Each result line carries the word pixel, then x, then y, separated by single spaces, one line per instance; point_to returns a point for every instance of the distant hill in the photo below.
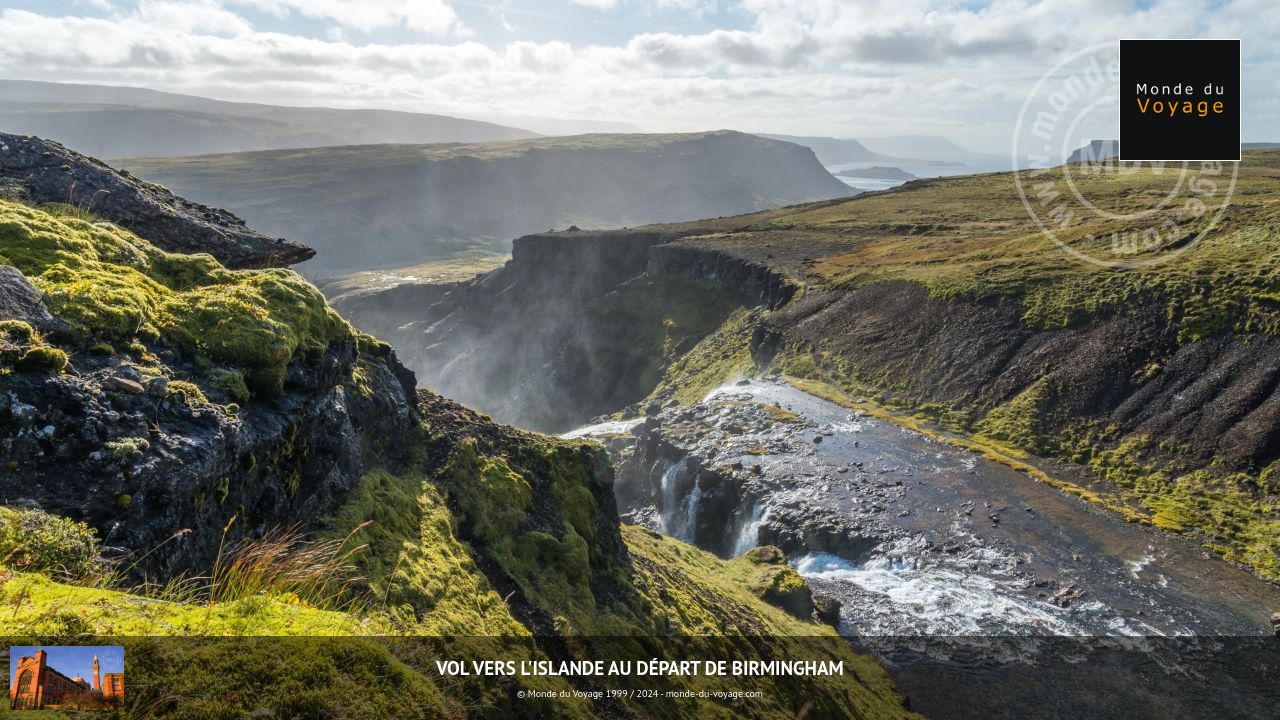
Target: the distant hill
pixel 879 172
pixel 564 126
pixel 832 151
pixel 379 206
pixel 1096 151
pixel 920 147
pixel 108 121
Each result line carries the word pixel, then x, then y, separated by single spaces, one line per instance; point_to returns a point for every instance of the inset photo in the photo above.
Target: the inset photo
pixel 45 681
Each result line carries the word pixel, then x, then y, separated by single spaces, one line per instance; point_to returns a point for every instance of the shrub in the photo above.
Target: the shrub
pixel 38 541
pixel 42 358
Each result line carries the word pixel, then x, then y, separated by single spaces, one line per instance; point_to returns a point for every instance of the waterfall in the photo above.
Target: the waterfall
pixel 689 526
pixel 749 534
pixel 670 492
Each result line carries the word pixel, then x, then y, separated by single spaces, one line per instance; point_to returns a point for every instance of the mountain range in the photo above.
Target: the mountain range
pixel 106 121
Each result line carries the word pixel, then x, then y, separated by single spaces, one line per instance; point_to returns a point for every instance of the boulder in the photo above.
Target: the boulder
pixel 45 172
pixel 20 300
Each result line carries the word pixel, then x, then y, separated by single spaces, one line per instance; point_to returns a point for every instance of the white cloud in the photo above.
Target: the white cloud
pixel 800 66
pixel 192 16
pixel 597 4
pixel 426 16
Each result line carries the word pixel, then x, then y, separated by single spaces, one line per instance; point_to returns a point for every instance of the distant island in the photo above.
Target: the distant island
pixel 878 172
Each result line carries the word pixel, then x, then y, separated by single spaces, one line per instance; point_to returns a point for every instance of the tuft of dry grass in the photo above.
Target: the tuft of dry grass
pixel 284 563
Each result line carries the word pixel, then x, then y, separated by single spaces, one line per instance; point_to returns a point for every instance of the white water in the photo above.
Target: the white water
pixel 670 501
pixel 689 518
pixel 936 601
pixel 749 535
pixel 612 427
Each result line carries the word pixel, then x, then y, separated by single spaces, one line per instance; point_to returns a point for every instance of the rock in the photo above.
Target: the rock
pixel 1275 623
pixel 125 384
pixel 150 211
pixel 157 386
pixel 827 609
pixel 766 555
pixel 20 300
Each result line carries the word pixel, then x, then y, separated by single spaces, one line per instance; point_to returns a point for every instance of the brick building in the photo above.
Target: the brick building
pixel 38 686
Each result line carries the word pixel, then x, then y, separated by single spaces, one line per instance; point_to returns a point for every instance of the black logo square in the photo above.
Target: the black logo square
pixel 1180 100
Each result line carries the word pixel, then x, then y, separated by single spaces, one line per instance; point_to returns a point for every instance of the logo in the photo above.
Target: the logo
pixel 1096 207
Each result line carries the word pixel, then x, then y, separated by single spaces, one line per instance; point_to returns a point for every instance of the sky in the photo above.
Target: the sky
pixel 71 660
pixel 839 68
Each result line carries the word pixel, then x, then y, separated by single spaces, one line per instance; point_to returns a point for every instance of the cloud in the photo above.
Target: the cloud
pixel 192 16
pixel 426 16
pixel 801 66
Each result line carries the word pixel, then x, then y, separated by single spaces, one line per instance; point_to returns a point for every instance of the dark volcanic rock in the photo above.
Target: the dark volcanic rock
pixel 48 172
pixel 154 473
pixel 1214 398
pixel 20 300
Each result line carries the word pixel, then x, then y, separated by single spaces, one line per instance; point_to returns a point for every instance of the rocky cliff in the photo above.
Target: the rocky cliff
pixel 150 393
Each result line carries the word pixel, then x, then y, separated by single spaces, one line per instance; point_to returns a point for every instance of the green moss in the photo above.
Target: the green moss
pixel 231 382
pixel 646 325
pixel 185 392
pixel 414 564
pixel 370 345
pixel 102 349
pixel 128 447
pixel 18 331
pixel 110 285
pixel 1023 420
pixel 719 357
pixel 111 612
pixel 783 587
pixel 42 358
pixel 34 540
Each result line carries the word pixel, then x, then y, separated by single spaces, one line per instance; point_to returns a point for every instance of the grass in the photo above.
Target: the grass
pixel 435 272
pixel 969 238
pixel 719 357
pixel 285 563
pixel 36 605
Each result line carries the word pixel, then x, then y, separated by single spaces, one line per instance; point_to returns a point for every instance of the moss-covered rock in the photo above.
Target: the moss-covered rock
pixel 42 358
pixel 111 286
